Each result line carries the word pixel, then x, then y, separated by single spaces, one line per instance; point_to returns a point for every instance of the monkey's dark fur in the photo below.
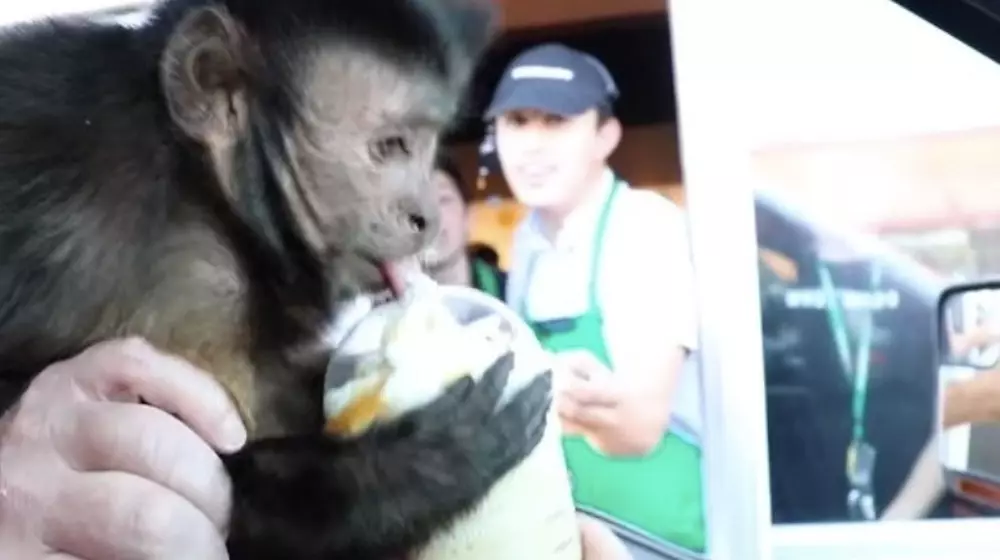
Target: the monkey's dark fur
pixel 215 181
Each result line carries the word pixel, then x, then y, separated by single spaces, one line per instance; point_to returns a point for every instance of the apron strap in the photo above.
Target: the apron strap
pixel 485 277
pixel 597 245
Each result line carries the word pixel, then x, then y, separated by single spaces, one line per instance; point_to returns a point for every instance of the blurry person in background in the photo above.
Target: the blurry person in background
pixel 602 272
pixel 450 259
pixel 485 252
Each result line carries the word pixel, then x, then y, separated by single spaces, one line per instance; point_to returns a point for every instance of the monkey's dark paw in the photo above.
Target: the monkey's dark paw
pixel 389 490
pixel 469 425
pixel 510 435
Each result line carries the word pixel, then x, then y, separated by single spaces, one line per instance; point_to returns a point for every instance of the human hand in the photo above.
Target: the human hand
pixel 978 337
pixel 599 542
pixel 89 473
pixel 587 397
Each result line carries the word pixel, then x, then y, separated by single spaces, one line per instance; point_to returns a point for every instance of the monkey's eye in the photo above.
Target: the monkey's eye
pixel 388 148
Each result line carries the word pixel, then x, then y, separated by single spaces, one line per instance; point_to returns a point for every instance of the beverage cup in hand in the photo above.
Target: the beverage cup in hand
pixel 401 355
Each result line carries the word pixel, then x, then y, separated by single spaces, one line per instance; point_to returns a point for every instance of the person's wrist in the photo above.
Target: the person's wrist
pixel 993 397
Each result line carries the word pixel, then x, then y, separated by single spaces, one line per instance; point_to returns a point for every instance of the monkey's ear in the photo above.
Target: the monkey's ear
pixel 202 76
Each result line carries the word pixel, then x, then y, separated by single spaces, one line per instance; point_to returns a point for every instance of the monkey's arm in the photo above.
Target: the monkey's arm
pixel 385 493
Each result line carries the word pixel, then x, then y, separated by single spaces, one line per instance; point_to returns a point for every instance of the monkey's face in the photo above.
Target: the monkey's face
pixel 362 152
pixel 321 138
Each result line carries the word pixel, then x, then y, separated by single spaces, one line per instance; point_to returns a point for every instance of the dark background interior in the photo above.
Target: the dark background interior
pixel 634 49
pixel 974 22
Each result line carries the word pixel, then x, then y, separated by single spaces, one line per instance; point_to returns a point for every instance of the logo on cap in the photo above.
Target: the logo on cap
pixel 542 72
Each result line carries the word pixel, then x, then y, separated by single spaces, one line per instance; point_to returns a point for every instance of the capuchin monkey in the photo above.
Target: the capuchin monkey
pixel 216 181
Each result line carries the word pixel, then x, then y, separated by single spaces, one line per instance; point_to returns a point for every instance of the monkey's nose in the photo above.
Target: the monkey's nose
pixel 418 222
pixel 424 226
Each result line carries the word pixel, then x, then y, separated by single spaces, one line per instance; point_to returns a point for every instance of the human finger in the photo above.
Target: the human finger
pixel 581 362
pixel 599 542
pixel 562 376
pixel 568 427
pixel 61 556
pixel 166 382
pixel 147 521
pixel 151 444
pixel 571 364
pixel 583 416
pixel 590 392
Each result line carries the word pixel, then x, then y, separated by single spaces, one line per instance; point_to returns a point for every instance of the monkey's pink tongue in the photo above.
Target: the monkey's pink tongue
pixel 394 277
pixel 403 276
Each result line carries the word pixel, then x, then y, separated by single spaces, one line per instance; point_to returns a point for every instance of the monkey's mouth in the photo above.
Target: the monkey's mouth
pixel 393 277
pixel 398 279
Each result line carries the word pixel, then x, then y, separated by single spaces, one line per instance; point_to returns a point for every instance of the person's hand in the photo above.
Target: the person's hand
pixel 89 473
pixel 599 542
pixel 587 397
pixel 982 336
pixel 978 337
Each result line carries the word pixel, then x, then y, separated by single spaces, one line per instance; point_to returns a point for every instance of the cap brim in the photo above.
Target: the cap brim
pixel 561 101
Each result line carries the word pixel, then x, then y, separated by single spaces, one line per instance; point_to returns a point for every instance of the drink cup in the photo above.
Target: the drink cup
pixel 401 355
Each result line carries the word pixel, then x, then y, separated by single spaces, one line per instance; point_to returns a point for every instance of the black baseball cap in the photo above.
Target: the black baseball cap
pixel 555 79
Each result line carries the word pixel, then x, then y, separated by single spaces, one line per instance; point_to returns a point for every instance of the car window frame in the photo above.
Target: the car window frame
pixel 716 156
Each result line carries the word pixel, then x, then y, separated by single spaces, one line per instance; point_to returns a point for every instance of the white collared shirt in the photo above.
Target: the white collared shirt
pixel 646 237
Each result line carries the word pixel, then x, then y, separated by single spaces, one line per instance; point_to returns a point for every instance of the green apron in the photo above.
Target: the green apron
pixel 485 278
pixel 659 493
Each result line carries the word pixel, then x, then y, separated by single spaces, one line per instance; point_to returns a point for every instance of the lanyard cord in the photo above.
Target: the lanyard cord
pixel 858 371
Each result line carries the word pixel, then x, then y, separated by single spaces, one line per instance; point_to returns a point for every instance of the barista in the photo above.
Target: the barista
pixel 450 259
pixel 602 273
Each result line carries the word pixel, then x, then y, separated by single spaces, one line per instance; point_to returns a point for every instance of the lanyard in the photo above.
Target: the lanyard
pixel 858 371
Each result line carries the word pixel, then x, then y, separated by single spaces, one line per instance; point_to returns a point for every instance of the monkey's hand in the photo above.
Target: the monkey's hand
pixel 385 493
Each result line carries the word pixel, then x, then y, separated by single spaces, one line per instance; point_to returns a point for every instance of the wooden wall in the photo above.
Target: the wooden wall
pixel 535 13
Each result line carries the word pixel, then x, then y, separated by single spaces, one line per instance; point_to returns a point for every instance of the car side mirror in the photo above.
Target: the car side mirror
pixel 968 371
